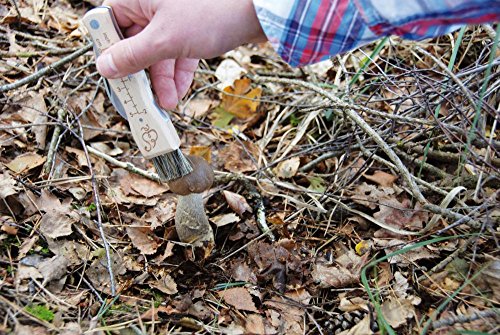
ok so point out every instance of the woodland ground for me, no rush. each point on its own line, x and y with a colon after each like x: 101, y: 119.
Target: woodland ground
x: 377, y: 172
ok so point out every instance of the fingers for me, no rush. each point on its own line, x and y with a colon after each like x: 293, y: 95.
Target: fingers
x: 162, y: 78
x: 171, y: 80
x: 129, y: 55
x: 184, y: 73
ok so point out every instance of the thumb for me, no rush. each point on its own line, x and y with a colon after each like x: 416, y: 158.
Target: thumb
x: 128, y: 56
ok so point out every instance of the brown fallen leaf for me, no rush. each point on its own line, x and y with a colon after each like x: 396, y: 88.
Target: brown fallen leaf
x: 292, y: 316
x: 143, y: 238
x: 382, y: 178
x: 162, y: 212
x: 396, y: 312
x: 166, y: 284
x: 344, y: 272
x: 288, y: 168
x: 241, y: 101
x: 8, y: 225
x: 235, y: 156
x: 399, y: 215
x: 361, y: 328
x: 25, y: 162
x: 202, y: 151
x: 53, y: 268
x: 152, y: 313
x: 58, y: 217
x: 74, y: 251
x: 255, y: 324
x: 225, y: 219
x: 371, y: 195
x: 34, y: 110
x: 408, y: 257
x: 98, y: 273
x: 240, y: 271
x: 80, y: 156
x: 239, y: 298
x: 7, y: 185
x: 132, y: 184
x: 237, y: 203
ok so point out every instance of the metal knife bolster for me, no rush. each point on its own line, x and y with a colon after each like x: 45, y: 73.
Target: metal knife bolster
x: 132, y: 97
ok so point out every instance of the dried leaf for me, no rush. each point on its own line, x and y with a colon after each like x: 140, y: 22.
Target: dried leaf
x: 371, y: 195
x: 98, y: 273
x: 239, y: 298
x: 406, y: 258
x: 7, y: 185
x: 396, y: 312
x: 240, y: 271
x: 255, y: 324
x: 166, y: 284
x: 56, y: 221
x: 241, y: 101
x: 288, y: 168
x: 196, y: 108
x: 345, y: 271
x: 237, y: 203
x: 235, y: 156
x: 400, y: 215
x: 382, y: 178
x: 8, y: 225
x: 143, y: 239
x: 80, y: 156
x: 162, y: 212
x: 145, y: 187
x: 53, y: 268
x: 202, y: 151
x: 25, y: 162
x: 225, y: 219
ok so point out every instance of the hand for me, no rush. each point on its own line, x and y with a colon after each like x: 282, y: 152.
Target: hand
x: 169, y: 36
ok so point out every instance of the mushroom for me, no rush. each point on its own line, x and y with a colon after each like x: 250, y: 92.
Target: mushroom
x: 191, y: 222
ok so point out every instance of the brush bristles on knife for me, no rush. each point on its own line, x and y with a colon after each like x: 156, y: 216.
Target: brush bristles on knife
x: 151, y: 127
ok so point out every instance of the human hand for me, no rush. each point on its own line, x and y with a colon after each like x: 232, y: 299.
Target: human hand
x: 169, y: 36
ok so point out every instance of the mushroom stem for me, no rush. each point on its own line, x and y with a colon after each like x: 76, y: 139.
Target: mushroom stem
x: 191, y: 222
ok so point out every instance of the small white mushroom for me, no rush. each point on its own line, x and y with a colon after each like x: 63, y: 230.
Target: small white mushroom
x: 191, y: 222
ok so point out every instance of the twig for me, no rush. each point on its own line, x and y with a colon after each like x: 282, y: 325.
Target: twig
x: 124, y: 165
x: 260, y: 215
x: 97, y: 202
x: 45, y: 70
x: 443, y: 67
x: 61, y: 114
x: 451, y: 320
x: 465, y: 218
x: 441, y: 265
x: 487, y: 158
x: 350, y: 111
x: 26, y: 54
x: 16, y: 7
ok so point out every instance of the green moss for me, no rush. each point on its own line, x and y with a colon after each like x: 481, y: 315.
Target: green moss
x: 41, y: 312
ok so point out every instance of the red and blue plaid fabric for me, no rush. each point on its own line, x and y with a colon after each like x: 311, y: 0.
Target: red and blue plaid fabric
x: 308, y: 31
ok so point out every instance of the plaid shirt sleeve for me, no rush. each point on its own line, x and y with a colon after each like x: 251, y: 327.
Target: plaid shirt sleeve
x: 308, y: 31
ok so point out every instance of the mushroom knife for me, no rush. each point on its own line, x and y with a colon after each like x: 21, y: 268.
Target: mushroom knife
x: 151, y: 127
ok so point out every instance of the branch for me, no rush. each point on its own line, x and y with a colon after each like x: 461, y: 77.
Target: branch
x: 37, y: 75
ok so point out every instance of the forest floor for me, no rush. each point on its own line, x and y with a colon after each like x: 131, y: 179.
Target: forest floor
x: 377, y: 171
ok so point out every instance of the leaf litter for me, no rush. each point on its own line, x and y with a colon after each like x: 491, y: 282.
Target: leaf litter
x: 260, y: 136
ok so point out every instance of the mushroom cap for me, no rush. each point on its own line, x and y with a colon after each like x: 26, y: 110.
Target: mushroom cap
x: 198, y: 181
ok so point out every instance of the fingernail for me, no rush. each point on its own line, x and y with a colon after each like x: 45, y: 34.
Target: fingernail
x: 106, y: 66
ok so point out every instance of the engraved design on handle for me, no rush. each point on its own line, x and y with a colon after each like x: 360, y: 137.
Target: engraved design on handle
x: 150, y: 136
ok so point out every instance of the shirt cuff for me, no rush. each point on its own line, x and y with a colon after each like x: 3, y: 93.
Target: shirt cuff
x: 305, y: 32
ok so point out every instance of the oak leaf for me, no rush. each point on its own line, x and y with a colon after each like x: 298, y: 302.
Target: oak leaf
x: 239, y: 298
x: 241, y: 101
